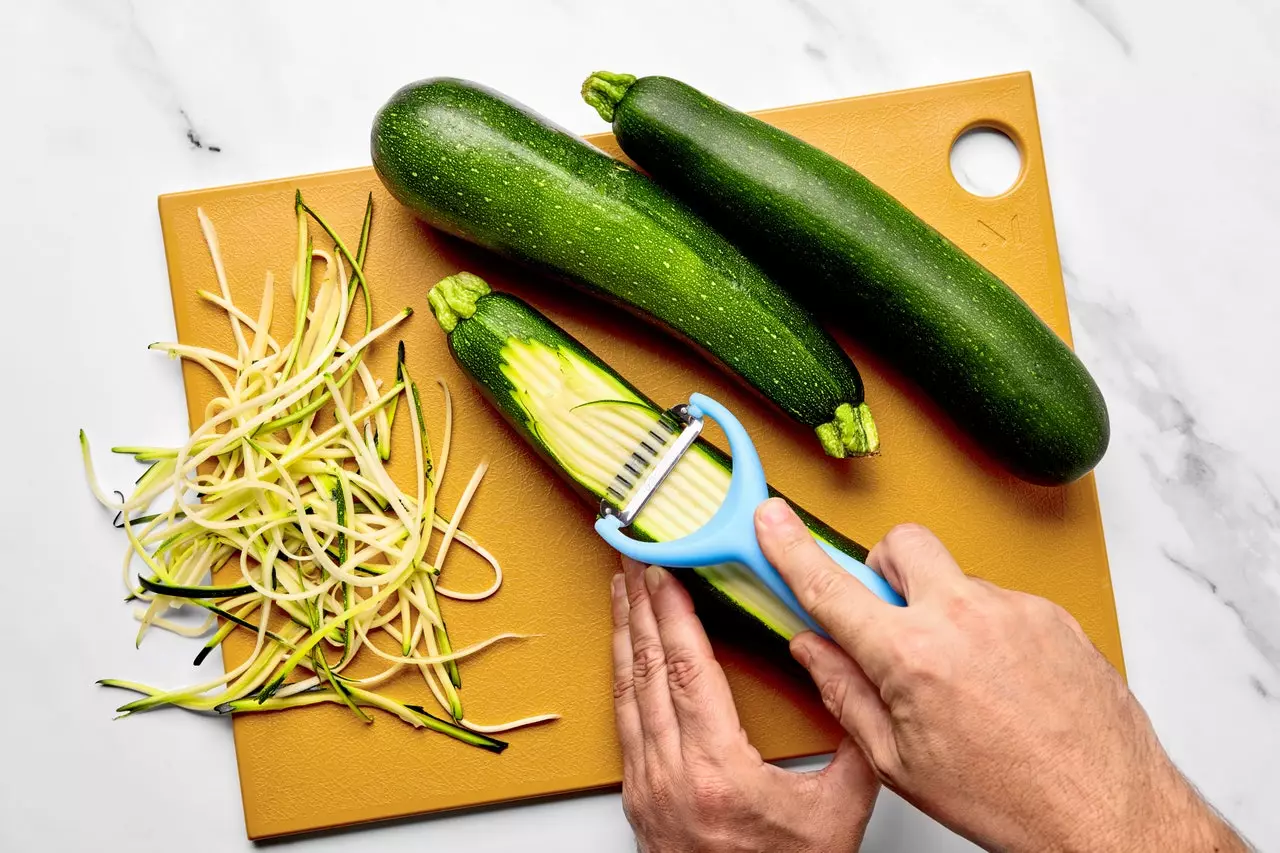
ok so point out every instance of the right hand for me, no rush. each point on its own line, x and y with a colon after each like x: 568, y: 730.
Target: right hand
x: 988, y: 709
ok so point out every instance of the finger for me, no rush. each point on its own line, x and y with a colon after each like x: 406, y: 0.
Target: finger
x: 626, y: 714
x: 849, y: 611
x: 847, y: 692
x: 840, y: 794
x: 849, y: 782
x: 699, y: 691
x: 846, y: 790
x: 916, y: 562
x: 649, y: 671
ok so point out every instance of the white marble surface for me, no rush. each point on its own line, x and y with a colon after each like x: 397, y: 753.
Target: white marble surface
x: 1161, y: 123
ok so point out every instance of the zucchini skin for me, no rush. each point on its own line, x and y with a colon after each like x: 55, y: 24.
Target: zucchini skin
x: 476, y: 343
x: 477, y: 166
x: 856, y: 255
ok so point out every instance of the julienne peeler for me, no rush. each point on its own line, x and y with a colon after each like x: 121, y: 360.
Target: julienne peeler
x: 729, y: 536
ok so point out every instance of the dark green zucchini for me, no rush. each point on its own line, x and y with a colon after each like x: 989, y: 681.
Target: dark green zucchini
x: 586, y: 421
x: 859, y: 257
x: 477, y: 166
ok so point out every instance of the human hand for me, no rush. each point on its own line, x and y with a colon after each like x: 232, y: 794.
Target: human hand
x: 988, y: 709
x: 690, y: 779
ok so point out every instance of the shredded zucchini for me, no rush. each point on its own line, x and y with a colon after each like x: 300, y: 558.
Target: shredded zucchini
x: 295, y: 533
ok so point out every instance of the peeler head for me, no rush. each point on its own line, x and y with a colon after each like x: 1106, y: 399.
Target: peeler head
x: 650, y: 463
x: 729, y: 535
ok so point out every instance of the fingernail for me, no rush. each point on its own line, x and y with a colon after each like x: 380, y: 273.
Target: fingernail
x: 618, y: 586
x: 801, y: 652
x: 774, y: 512
x: 652, y: 578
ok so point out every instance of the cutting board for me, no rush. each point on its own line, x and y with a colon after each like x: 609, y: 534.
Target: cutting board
x: 318, y: 767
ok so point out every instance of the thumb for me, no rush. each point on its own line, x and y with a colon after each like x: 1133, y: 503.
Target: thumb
x: 851, y: 775
x: 846, y: 692
x: 848, y: 788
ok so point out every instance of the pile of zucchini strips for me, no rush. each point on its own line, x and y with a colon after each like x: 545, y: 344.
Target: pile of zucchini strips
x: 282, y: 520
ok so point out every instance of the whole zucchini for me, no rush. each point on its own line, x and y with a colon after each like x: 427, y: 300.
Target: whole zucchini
x: 855, y: 254
x: 586, y: 421
x: 478, y: 166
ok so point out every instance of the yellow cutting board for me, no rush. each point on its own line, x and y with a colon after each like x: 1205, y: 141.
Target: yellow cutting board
x: 319, y: 767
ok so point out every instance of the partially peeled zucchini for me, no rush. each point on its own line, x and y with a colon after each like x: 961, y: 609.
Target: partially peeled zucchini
x: 586, y: 420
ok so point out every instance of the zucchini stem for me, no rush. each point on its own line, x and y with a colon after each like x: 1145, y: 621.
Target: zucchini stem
x: 454, y: 298
x: 851, y: 433
x: 604, y: 89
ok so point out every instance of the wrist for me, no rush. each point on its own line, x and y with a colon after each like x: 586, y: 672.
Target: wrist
x: 1193, y: 824
x: 1170, y: 814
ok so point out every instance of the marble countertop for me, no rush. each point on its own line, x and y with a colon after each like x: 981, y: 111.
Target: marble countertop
x: 1161, y: 123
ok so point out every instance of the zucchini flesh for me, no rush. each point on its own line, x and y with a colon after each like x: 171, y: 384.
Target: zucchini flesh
x: 855, y: 254
x: 586, y: 420
x: 477, y: 166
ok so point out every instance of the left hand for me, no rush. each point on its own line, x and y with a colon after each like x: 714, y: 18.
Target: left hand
x: 690, y: 779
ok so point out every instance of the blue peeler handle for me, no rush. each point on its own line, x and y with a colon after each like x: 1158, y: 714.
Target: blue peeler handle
x: 729, y: 536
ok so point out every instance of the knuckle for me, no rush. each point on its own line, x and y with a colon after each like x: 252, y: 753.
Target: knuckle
x: 1053, y: 615
x: 639, y: 812
x: 632, y: 804
x: 636, y: 595
x: 711, y: 796
x: 684, y: 671
x: 1040, y: 610
x: 1037, y: 606
x: 905, y: 536
x: 624, y: 686
x: 1060, y: 613
x: 961, y: 609
x: 648, y: 663
x: 969, y: 604
x: 822, y: 589
x: 835, y: 696
x: 794, y: 542
x: 1073, y: 624
x: 660, y: 798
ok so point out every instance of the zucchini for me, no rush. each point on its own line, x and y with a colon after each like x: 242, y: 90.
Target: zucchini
x: 586, y: 421
x: 482, y: 168
x: 855, y: 254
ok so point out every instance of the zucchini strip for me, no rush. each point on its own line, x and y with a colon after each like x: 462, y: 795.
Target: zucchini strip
x: 211, y: 238
x: 193, y: 591
x: 414, y: 715
x: 514, y: 724
x: 297, y: 534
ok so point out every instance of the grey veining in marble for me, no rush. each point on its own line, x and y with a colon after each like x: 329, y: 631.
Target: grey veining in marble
x: 1101, y: 12
x: 136, y: 52
x: 1229, y: 516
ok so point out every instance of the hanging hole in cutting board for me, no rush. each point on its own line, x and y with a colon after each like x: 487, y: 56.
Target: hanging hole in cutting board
x: 985, y: 161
